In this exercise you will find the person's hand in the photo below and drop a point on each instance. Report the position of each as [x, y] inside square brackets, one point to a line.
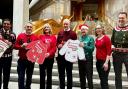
[8, 42]
[81, 44]
[105, 66]
[60, 45]
[24, 45]
[47, 55]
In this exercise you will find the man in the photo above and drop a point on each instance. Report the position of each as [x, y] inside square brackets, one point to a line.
[5, 61]
[24, 66]
[63, 36]
[120, 50]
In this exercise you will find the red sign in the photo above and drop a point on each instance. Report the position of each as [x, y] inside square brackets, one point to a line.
[37, 51]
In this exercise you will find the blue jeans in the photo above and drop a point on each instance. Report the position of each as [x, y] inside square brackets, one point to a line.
[118, 59]
[25, 67]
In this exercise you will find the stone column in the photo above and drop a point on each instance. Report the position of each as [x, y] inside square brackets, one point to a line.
[20, 15]
[20, 18]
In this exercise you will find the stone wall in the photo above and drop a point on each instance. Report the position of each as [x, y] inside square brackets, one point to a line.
[112, 8]
[54, 11]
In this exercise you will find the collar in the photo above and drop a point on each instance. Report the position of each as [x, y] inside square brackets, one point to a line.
[118, 28]
[28, 34]
[8, 31]
[67, 30]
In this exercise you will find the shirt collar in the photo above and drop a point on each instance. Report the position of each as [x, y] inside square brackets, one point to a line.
[67, 30]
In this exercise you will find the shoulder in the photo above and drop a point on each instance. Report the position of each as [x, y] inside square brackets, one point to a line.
[61, 31]
[106, 37]
[41, 36]
[91, 37]
[53, 36]
[22, 35]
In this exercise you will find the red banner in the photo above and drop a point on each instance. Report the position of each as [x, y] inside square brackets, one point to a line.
[37, 51]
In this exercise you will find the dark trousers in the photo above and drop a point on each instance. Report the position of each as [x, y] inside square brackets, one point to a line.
[62, 66]
[118, 59]
[5, 67]
[86, 71]
[25, 67]
[46, 68]
[103, 75]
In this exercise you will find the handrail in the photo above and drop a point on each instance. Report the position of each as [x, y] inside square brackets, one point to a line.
[47, 21]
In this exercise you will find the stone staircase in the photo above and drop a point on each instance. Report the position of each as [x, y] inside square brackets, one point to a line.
[76, 83]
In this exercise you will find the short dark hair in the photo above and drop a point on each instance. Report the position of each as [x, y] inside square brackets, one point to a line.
[123, 13]
[6, 20]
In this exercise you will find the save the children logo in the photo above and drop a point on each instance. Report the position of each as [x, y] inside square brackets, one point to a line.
[37, 51]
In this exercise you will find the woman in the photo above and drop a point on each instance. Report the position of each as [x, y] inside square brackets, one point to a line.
[103, 52]
[86, 67]
[50, 40]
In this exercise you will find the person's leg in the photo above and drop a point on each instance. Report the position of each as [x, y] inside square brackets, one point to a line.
[42, 75]
[69, 67]
[103, 75]
[81, 65]
[6, 71]
[126, 66]
[29, 73]
[126, 63]
[21, 73]
[61, 70]
[117, 64]
[1, 67]
[49, 73]
[89, 73]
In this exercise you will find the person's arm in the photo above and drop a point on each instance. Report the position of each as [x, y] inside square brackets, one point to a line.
[90, 46]
[18, 43]
[53, 47]
[112, 37]
[108, 49]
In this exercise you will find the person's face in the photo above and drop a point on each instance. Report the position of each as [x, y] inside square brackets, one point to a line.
[99, 31]
[47, 30]
[7, 25]
[122, 19]
[28, 28]
[84, 31]
[66, 25]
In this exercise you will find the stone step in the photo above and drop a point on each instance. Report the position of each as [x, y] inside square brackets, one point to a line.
[75, 66]
[14, 85]
[76, 82]
[75, 73]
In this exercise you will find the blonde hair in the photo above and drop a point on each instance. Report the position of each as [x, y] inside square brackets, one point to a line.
[47, 25]
[100, 26]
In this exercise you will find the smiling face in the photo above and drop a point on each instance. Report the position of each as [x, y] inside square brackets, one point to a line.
[122, 19]
[7, 25]
[99, 30]
[47, 29]
[84, 30]
[28, 28]
[66, 24]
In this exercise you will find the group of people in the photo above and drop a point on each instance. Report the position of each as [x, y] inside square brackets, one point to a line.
[117, 46]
